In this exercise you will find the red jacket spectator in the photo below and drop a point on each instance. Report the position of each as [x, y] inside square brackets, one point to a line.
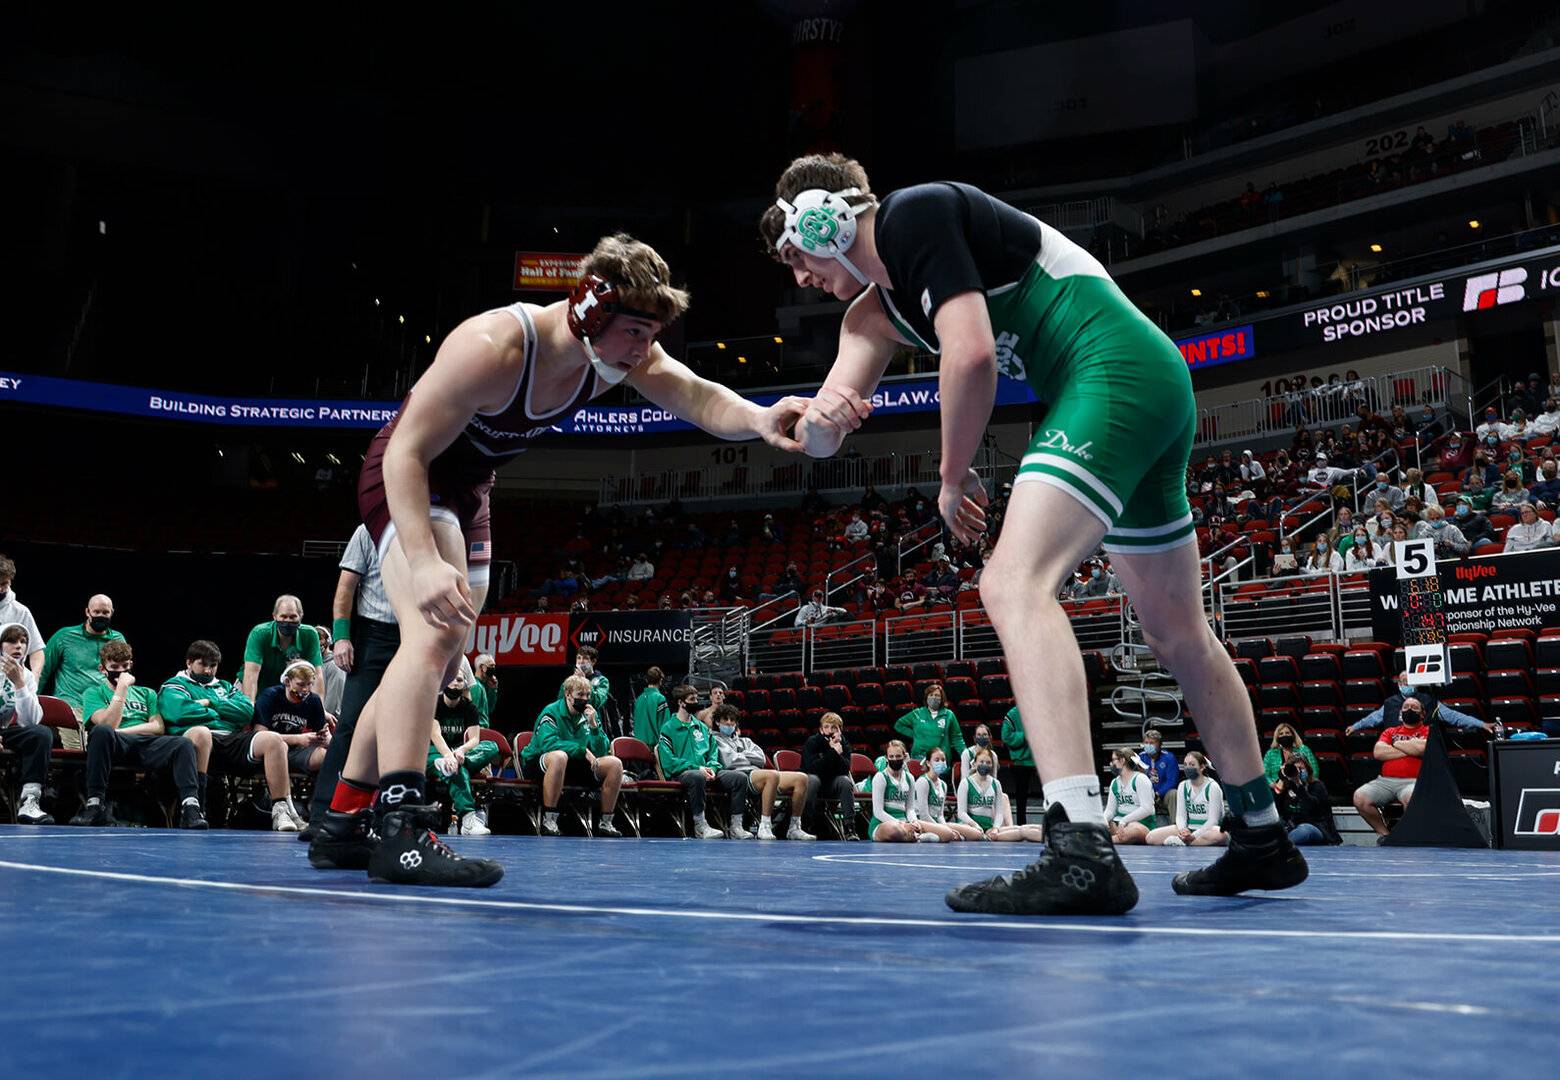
[1456, 453]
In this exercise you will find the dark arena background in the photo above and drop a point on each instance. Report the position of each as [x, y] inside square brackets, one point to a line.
[236, 238]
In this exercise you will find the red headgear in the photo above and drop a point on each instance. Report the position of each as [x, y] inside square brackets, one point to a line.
[593, 303]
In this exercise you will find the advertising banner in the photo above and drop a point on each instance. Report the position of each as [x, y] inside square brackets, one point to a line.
[549, 271]
[633, 638]
[1484, 594]
[1527, 794]
[523, 640]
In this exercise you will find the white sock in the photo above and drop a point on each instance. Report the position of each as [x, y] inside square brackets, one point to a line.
[1268, 815]
[94, 801]
[736, 820]
[32, 791]
[1079, 796]
[550, 817]
[769, 824]
[698, 819]
[191, 801]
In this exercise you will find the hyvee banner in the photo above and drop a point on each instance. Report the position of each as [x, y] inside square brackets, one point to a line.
[1484, 594]
[515, 640]
[633, 637]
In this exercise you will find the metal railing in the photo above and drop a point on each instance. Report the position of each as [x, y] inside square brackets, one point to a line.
[917, 638]
[835, 646]
[1327, 405]
[914, 540]
[857, 568]
[739, 480]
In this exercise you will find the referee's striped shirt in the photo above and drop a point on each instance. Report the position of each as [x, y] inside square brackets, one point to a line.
[362, 558]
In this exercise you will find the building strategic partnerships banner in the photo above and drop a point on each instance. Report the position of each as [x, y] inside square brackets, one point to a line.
[1484, 594]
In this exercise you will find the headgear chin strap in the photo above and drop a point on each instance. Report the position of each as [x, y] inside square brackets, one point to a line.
[822, 223]
[592, 306]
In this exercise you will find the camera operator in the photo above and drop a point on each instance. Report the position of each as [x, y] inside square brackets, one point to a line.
[1305, 806]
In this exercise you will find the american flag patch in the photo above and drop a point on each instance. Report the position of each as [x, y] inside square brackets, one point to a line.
[481, 548]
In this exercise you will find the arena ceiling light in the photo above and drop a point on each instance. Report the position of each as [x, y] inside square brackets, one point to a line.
[1196, 292]
[720, 344]
[427, 340]
[401, 319]
[779, 340]
[741, 359]
[1376, 248]
[1473, 223]
[1263, 294]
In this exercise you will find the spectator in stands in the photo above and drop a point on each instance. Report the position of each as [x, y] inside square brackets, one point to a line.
[570, 747]
[1400, 750]
[1362, 554]
[1399, 532]
[1286, 744]
[934, 724]
[70, 660]
[1129, 809]
[295, 712]
[333, 680]
[125, 729]
[1510, 495]
[1252, 474]
[1022, 775]
[942, 581]
[1341, 535]
[650, 709]
[1521, 430]
[1305, 806]
[1530, 532]
[563, 584]
[1385, 489]
[982, 737]
[894, 819]
[457, 752]
[1323, 478]
[1323, 559]
[733, 534]
[983, 805]
[1450, 543]
[1415, 485]
[693, 537]
[826, 760]
[541, 605]
[483, 690]
[1159, 765]
[790, 581]
[687, 754]
[275, 644]
[13, 611]
[1199, 809]
[21, 714]
[1456, 453]
[1475, 527]
[585, 661]
[743, 769]
[215, 715]
[856, 529]
[1492, 425]
[1387, 714]
[1516, 463]
[1474, 487]
[1529, 396]
[931, 800]
[871, 500]
[1548, 421]
[1546, 487]
[1284, 562]
[910, 599]
[815, 612]
[771, 533]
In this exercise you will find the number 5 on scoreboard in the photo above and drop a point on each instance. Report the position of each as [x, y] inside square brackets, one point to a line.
[1414, 558]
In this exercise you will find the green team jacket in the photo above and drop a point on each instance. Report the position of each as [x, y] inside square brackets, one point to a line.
[927, 733]
[650, 712]
[685, 745]
[600, 690]
[179, 704]
[70, 662]
[559, 729]
[1013, 738]
[485, 700]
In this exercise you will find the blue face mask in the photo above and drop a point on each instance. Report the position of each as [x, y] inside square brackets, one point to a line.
[1462, 511]
[728, 730]
[939, 767]
[1095, 573]
[1438, 523]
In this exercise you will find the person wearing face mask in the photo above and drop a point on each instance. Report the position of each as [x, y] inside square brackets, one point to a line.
[570, 748]
[294, 711]
[1305, 806]
[932, 725]
[744, 770]
[276, 643]
[585, 667]
[1362, 554]
[1160, 766]
[126, 731]
[1387, 715]
[1414, 484]
[1456, 453]
[70, 661]
[21, 730]
[1494, 427]
[1546, 488]
[984, 806]
[1548, 421]
[1022, 773]
[215, 715]
[894, 819]
[457, 752]
[1129, 808]
[967, 755]
[931, 800]
[1284, 561]
[13, 611]
[1450, 543]
[1384, 488]
[1474, 526]
[1285, 745]
[1322, 559]
[1380, 519]
[1510, 495]
[1530, 532]
[1400, 750]
[686, 753]
[1199, 808]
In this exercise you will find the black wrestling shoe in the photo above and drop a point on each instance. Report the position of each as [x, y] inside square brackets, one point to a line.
[190, 816]
[343, 841]
[1257, 858]
[1079, 873]
[410, 853]
[307, 834]
[92, 815]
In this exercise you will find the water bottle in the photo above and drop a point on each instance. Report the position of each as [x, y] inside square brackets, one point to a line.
[1500, 729]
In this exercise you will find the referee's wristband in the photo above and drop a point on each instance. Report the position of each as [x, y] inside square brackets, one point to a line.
[341, 629]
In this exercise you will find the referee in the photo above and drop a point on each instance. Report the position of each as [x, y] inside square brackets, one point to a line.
[363, 647]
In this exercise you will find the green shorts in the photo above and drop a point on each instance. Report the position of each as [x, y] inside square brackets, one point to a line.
[876, 821]
[983, 821]
[1119, 416]
[1150, 823]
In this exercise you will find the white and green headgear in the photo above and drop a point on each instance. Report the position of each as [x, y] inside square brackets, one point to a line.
[822, 223]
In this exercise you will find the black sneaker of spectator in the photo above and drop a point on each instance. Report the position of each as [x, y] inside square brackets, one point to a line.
[1078, 874]
[343, 841]
[190, 817]
[92, 815]
[1257, 858]
[410, 853]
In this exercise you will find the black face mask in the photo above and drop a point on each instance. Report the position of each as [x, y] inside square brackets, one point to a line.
[287, 629]
[203, 677]
[5, 594]
[112, 677]
[99, 623]
[895, 764]
[1286, 741]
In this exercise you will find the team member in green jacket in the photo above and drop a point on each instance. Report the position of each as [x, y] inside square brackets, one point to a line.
[70, 660]
[650, 710]
[1022, 774]
[570, 746]
[687, 753]
[457, 752]
[214, 715]
[585, 668]
[273, 645]
[484, 687]
[126, 730]
[932, 726]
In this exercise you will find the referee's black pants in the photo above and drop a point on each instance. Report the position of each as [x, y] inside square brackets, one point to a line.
[373, 644]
